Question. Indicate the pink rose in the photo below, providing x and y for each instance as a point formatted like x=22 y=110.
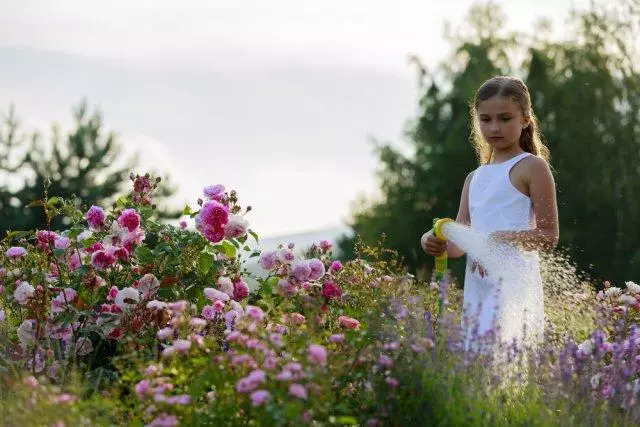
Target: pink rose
x=240 y=291
x=102 y=260
x=129 y=219
x=349 y=322
x=95 y=217
x=16 y=252
x=331 y=290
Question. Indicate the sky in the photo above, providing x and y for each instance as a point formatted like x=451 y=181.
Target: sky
x=279 y=100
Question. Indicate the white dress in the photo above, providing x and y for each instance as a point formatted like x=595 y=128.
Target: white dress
x=509 y=300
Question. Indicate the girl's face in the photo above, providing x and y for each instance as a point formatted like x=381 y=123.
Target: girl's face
x=501 y=122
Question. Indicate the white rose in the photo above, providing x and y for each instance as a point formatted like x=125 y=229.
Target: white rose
x=126 y=296
x=633 y=288
x=23 y=292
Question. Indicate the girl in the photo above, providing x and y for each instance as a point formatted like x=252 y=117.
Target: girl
x=511 y=197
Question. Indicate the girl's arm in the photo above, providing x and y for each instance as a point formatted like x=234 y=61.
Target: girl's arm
x=463 y=217
x=542 y=191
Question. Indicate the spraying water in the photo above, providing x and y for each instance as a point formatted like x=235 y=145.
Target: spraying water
x=568 y=295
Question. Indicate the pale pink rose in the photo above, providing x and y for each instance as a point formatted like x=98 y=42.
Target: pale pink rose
x=326 y=245
x=301 y=270
x=177 y=306
x=317 y=269
x=213 y=191
x=268 y=260
x=62 y=242
x=23 y=292
x=209 y=312
x=214 y=294
x=286 y=255
x=236 y=227
x=156 y=305
x=225 y=285
x=148 y=285
x=348 y=322
x=16 y=252
x=254 y=313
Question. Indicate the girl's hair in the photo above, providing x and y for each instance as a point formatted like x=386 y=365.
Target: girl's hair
x=514 y=89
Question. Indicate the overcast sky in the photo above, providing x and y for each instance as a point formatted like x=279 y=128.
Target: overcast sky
x=276 y=99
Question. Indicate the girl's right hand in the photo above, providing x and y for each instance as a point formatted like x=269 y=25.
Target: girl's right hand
x=433 y=245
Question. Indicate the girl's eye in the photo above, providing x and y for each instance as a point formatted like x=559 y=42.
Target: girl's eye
x=485 y=119
x=505 y=119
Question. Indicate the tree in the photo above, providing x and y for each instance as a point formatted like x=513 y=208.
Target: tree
x=585 y=92
x=85 y=165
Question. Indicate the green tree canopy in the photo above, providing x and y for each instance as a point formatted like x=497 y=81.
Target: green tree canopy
x=84 y=165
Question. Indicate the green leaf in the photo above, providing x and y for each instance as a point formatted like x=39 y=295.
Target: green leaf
x=201 y=383
x=254 y=235
x=272 y=285
x=122 y=201
x=254 y=254
x=144 y=254
x=59 y=252
x=205 y=261
x=87 y=243
x=75 y=232
x=347 y=420
x=227 y=248
x=17 y=235
x=187 y=210
x=53 y=201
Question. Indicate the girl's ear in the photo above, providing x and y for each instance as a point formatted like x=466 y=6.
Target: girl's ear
x=525 y=123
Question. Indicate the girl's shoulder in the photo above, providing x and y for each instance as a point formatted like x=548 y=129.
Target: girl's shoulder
x=531 y=168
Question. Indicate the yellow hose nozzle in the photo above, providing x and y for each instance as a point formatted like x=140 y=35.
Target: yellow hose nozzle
x=437 y=227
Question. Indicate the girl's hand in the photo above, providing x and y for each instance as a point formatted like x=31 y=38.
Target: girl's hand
x=432 y=245
x=475 y=265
